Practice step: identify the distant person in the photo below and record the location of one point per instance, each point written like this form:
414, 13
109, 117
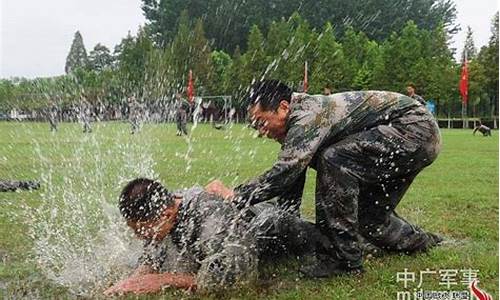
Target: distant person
411, 91
215, 244
327, 90
86, 115
134, 113
181, 114
53, 116
485, 130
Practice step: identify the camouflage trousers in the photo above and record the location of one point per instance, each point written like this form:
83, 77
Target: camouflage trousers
281, 233
362, 178
181, 120
135, 125
86, 126
53, 124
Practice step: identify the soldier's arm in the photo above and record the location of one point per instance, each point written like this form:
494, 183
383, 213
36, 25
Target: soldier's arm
303, 139
290, 200
152, 283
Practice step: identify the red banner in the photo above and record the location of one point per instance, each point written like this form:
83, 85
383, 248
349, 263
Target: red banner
190, 87
464, 82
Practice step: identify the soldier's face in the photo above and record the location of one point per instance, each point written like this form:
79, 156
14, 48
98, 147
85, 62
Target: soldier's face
410, 90
156, 230
271, 124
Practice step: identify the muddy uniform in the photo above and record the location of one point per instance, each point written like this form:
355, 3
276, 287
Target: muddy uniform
181, 112
222, 244
367, 147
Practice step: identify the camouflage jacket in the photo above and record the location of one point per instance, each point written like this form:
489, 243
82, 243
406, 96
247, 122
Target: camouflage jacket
318, 121
210, 238
418, 98
221, 244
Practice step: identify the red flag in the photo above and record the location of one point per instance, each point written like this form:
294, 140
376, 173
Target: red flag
464, 82
190, 87
306, 83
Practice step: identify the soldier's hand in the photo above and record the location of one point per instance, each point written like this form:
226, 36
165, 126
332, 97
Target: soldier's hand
218, 188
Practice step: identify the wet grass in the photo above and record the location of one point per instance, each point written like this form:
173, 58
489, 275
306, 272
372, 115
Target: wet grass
457, 197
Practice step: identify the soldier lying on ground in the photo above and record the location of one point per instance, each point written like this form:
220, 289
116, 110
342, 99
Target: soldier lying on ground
216, 244
366, 146
15, 185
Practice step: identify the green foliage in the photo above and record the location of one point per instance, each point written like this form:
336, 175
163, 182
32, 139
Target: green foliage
353, 60
228, 22
132, 58
469, 47
77, 56
100, 58
254, 60
222, 63
330, 65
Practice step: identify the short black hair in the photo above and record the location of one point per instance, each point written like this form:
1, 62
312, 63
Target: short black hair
143, 199
269, 94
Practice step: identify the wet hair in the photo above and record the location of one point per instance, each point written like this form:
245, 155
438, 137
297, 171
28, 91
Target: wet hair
269, 94
144, 199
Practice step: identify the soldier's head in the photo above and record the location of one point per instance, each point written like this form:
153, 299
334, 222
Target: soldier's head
410, 89
149, 209
327, 90
269, 107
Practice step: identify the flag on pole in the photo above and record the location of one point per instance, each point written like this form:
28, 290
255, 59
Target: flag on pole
190, 87
464, 82
306, 83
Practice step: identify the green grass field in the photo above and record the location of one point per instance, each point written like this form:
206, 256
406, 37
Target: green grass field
457, 197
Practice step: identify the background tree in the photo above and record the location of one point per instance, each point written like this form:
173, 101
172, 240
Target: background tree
100, 58
77, 56
469, 46
228, 22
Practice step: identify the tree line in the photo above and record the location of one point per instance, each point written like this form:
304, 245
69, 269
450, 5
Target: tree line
152, 67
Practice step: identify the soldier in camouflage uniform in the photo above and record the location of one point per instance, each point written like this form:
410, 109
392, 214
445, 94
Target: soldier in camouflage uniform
15, 185
411, 91
181, 114
86, 115
134, 113
194, 232
53, 116
366, 146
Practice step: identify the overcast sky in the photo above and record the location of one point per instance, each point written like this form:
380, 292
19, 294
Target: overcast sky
35, 35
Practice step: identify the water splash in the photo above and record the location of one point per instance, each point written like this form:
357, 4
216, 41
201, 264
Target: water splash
80, 240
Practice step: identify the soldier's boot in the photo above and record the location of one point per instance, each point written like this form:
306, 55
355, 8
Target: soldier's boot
382, 226
397, 235
325, 266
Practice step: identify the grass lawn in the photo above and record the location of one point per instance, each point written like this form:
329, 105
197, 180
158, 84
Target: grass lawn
457, 197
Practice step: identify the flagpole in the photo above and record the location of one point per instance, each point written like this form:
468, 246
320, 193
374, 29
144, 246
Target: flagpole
465, 102
465, 120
